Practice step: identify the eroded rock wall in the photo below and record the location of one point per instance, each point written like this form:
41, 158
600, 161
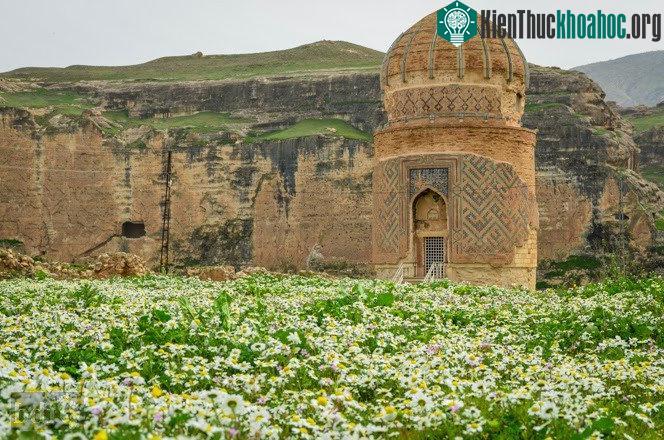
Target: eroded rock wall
66, 196
590, 198
65, 192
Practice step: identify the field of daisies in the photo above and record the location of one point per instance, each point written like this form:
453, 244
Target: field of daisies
270, 356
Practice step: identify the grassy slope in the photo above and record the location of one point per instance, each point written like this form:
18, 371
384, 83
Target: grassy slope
202, 122
61, 101
643, 123
323, 56
309, 127
320, 56
654, 174
631, 80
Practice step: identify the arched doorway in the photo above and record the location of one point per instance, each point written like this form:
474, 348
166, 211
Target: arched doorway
429, 230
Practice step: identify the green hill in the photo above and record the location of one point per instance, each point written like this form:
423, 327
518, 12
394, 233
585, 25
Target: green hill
631, 80
322, 56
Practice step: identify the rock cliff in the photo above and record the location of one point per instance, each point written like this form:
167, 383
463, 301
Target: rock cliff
68, 184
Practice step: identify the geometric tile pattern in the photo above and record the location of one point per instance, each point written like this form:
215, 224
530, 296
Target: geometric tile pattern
490, 208
496, 209
450, 100
434, 178
389, 232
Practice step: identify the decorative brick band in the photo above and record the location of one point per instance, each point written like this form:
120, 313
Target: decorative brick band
451, 100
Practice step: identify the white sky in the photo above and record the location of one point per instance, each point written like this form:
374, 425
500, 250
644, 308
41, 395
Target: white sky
116, 32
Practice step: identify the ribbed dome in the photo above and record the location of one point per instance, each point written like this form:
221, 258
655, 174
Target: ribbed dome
483, 77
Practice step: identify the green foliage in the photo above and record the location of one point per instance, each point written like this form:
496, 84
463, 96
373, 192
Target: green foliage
10, 243
310, 127
644, 123
323, 56
188, 310
63, 102
201, 122
222, 304
573, 262
537, 107
310, 347
655, 174
342, 268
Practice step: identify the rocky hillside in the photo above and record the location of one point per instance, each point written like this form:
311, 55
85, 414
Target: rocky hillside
322, 56
630, 80
648, 125
294, 150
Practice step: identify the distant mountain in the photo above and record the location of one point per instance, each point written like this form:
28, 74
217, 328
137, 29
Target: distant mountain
322, 56
631, 80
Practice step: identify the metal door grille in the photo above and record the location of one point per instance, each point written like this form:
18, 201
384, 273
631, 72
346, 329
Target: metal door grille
434, 251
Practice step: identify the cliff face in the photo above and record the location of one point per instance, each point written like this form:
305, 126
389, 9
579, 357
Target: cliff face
271, 102
68, 185
651, 143
649, 136
67, 195
590, 198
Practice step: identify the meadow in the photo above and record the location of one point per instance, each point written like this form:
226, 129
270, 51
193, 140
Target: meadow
271, 356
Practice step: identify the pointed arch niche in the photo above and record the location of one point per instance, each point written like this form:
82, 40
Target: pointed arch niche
429, 229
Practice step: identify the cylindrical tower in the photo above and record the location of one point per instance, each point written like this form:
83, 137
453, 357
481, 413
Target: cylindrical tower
454, 174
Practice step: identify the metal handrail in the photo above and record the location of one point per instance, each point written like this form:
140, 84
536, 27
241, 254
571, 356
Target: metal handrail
435, 272
398, 275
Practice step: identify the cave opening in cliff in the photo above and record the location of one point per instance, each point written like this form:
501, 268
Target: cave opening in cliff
133, 229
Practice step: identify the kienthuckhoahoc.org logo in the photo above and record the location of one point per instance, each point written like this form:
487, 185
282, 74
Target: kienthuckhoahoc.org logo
597, 25
457, 23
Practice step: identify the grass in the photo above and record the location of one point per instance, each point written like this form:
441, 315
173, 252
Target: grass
62, 101
320, 56
272, 356
202, 122
311, 127
659, 223
10, 242
535, 107
601, 131
655, 174
573, 262
644, 123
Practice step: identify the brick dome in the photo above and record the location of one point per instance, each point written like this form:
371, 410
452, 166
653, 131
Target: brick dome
425, 77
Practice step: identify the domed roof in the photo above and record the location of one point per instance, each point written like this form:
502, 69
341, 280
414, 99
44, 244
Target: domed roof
424, 77
419, 55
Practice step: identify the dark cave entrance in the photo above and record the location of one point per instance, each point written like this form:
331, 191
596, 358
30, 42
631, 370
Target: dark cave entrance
133, 229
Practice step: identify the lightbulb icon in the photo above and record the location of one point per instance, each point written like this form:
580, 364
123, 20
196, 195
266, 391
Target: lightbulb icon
456, 20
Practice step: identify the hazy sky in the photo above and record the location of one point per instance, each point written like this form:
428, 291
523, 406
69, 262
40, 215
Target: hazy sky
115, 32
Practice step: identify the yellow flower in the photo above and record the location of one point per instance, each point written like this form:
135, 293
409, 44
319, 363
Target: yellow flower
156, 392
101, 435
134, 399
322, 400
135, 374
390, 409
